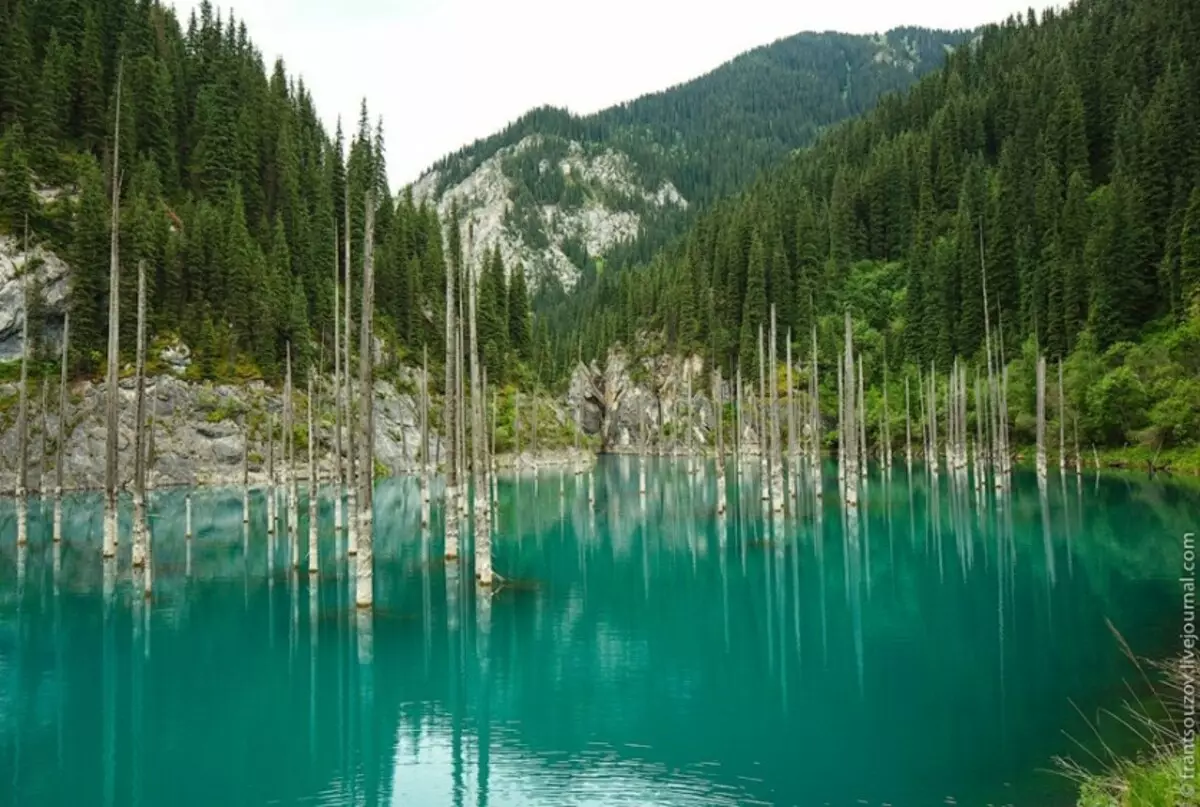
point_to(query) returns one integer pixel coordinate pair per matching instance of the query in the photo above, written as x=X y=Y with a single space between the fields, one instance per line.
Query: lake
x=941 y=647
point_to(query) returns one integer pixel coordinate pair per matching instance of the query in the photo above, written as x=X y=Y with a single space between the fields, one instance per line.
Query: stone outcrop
x=487 y=197
x=622 y=399
x=48 y=277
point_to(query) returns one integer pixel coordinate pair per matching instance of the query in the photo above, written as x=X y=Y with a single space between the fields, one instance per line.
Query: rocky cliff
x=201 y=432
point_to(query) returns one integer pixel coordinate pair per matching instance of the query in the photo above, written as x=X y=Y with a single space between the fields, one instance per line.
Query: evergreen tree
x=1189 y=252
x=754 y=308
x=519 y=331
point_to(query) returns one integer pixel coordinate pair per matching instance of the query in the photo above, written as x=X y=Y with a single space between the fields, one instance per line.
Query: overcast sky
x=445 y=72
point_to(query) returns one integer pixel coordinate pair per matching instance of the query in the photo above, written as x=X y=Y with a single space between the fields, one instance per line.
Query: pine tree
x=1189 y=252
x=16 y=195
x=519 y=331
x=754 y=307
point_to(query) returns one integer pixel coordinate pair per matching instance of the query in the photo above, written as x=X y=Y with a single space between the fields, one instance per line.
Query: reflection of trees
x=646 y=645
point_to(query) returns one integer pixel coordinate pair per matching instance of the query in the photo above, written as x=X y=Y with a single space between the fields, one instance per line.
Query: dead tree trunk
x=483 y=533
x=313 y=555
x=338 y=470
x=348 y=419
x=449 y=419
x=1041 y=416
x=289 y=459
x=719 y=428
x=364 y=596
x=114 y=356
x=60 y=444
x=140 y=535
x=849 y=410
x=22 y=490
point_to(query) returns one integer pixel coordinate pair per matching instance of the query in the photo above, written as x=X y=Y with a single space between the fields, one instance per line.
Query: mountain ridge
x=682 y=148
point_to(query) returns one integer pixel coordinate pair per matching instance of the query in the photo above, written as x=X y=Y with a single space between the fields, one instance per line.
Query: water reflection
x=640 y=649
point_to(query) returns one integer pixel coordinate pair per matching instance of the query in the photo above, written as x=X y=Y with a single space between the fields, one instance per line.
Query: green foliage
x=1039 y=157
x=232 y=193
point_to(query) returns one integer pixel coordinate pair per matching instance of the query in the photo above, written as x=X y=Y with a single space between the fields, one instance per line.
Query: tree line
x=235 y=196
x=1058 y=156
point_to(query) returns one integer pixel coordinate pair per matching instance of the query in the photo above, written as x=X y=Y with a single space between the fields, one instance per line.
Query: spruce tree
x=754 y=308
x=519 y=331
x=1189 y=253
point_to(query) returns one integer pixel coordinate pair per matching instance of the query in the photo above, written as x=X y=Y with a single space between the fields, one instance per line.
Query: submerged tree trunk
x=286 y=457
x=22 y=490
x=776 y=458
x=60 y=445
x=351 y=472
x=339 y=477
x=1041 y=416
x=815 y=407
x=114 y=312
x=313 y=556
x=483 y=536
x=449 y=419
x=719 y=428
x=424 y=454
x=364 y=596
x=140 y=536
x=849 y=410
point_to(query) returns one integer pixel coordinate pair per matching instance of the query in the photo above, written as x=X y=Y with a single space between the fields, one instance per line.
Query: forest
x=236 y=198
x=709 y=136
x=1057 y=156
x=1054 y=156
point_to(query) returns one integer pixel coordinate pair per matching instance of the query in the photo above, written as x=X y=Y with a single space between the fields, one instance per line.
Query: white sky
x=445 y=72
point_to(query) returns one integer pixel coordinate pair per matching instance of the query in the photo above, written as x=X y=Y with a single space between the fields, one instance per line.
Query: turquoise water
x=639 y=652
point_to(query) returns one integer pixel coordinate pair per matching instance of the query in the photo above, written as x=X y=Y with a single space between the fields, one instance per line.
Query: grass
x=1182 y=461
x=1158 y=776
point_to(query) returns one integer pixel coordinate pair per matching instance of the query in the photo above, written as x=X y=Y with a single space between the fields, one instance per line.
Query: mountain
x=567 y=195
x=1057 y=155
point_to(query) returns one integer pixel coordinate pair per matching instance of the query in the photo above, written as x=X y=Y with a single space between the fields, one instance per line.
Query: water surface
x=641 y=651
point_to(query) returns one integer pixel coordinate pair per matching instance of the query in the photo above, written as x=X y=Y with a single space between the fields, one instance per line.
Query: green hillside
x=1064 y=148
x=708 y=137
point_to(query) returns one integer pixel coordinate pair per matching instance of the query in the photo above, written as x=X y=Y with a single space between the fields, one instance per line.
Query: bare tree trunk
x=114 y=356
x=22 y=490
x=738 y=424
x=60 y=446
x=849 y=409
x=449 y=420
x=338 y=470
x=887 y=422
x=761 y=419
x=364 y=596
x=687 y=411
x=140 y=536
x=776 y=458
x=534 y=421
x=793 y=458
x=1041 y=416
x=862 y=426
x=815 y=406
x=271 y=474
x=348 y=420
x=1062 y=422
x=289 y=473
x=313 y=555
x=483 y=534
x=907 y=426
x=719 y=427
x=424 y=436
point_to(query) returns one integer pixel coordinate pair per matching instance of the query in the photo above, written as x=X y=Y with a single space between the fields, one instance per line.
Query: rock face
x=607 y=214
x=48 y=277
x=201 y=432
x=625 y=405
x=199 y=437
